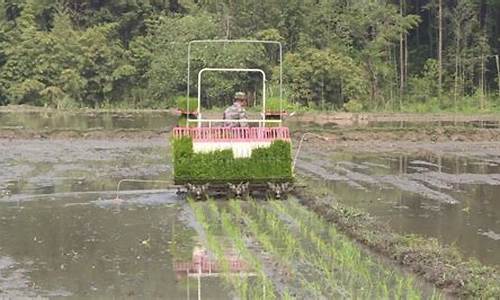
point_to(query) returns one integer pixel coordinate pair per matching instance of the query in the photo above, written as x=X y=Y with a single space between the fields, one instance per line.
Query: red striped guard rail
x=210 y=134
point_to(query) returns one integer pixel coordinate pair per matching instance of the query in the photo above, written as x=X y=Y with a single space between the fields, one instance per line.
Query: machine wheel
x=278 y=191
x=197 y=192
x=239 y=191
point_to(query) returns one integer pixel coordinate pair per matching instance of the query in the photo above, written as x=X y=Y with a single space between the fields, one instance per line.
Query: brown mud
x=412 y=134
x=96 y=134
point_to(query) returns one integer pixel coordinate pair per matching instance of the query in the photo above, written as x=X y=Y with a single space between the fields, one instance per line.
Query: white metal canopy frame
x=261 y=122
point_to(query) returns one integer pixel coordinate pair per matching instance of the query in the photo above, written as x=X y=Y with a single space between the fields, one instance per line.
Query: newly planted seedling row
x=320 y=274
x=286 y=253
x=215 y=245
x=284 y=256
x=262 y=287
x=344 y=265
x=356 y=268
x=320 y=261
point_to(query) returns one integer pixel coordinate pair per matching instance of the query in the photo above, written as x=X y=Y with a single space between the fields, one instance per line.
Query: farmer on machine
x=236 y=111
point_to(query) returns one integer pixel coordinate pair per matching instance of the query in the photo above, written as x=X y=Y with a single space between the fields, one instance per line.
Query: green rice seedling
x=360 y=270
x=274 y=105
x=182 y=104
x=436 y=295
x=265 y=164
x=282 y=238
x=235 y=235
x=239 y=284
x=271 y=247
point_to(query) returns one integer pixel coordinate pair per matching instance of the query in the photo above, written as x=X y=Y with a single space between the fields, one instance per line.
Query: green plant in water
x=263 y=287
x=270 y=246
x=355 y=270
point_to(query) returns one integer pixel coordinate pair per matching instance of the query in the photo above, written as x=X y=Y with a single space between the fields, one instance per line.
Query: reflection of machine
x=212 y=159
x=202 y=265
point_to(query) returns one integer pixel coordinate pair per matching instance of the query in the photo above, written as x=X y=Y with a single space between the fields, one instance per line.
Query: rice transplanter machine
x=210 y=158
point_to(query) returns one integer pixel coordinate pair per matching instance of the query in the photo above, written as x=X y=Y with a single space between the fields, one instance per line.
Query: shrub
x=353 y=106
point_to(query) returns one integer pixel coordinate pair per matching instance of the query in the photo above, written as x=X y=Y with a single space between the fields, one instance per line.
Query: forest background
x=352 y=55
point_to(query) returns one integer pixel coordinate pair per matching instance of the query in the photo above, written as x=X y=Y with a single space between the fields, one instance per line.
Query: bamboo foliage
x=343 y=55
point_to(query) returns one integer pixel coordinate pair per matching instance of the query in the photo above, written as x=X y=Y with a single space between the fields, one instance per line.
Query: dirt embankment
x=350 y=127
x=347 y=134
x=415 y=134
x=335 y=136
x=350 y=119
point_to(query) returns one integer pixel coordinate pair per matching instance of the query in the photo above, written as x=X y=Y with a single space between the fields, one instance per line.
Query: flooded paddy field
x=65 y=233
x=53 y=120
x=448 y=191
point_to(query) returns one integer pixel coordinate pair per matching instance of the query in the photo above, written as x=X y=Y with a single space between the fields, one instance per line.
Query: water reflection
x=85 y=121
x=449 y=197
x=203 y=264
x=90 y=249
x=203 y=267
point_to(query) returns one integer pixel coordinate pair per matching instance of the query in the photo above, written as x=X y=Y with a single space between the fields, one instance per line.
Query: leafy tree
x=324 y=76
x=93 y=53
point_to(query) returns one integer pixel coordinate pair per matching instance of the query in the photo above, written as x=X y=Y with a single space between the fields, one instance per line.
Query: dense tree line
x=342 y=54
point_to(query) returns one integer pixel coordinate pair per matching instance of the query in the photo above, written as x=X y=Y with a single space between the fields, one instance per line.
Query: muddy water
x=63 y=233
x=453 y=197
x=83 y=121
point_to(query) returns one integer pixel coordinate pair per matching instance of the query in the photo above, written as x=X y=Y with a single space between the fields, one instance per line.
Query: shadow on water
x=452 y=198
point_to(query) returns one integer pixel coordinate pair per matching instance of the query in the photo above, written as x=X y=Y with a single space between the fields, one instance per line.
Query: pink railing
x=209 y=266
x=232 y=134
